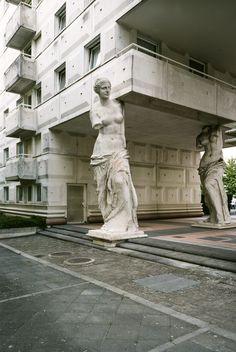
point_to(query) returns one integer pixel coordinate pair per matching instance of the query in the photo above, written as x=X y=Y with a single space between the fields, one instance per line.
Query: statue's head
x=99 y=83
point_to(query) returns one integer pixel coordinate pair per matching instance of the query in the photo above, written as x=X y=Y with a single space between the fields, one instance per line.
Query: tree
x=230 y=177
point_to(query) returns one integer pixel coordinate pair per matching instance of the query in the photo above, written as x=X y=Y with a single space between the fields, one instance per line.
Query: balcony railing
x=21 y=167
x=21 y=122
x=21 y=28
x=163 y=78
x=21 y=75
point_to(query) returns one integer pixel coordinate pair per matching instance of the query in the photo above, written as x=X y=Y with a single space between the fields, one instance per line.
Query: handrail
x=23 y=105
x=20 y=156
x=167 y=59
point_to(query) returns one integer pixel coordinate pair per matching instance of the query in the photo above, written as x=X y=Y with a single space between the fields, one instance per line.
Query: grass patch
x=7 y=222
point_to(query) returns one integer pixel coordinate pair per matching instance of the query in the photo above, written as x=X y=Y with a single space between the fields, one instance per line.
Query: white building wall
x=165 y=177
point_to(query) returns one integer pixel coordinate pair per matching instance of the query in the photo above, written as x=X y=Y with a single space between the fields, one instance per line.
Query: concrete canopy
x=205 y=28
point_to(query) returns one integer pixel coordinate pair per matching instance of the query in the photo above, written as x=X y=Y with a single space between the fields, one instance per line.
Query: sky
x=229 y=153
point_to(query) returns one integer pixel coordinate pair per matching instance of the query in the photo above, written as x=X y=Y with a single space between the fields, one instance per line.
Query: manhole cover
x=78 y=261
x=60 y=254
x=39 y=255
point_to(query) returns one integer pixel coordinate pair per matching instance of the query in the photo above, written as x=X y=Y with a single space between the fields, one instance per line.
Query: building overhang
x=203 y=29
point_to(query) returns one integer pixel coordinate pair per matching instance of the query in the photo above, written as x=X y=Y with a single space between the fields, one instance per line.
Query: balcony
x=21 y=122
x=171 y=85
x=21 y=28
x=22 y=167
x=21 y=75
x=14 y=2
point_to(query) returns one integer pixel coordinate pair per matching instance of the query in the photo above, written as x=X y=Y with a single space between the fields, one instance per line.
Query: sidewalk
x=45 y=306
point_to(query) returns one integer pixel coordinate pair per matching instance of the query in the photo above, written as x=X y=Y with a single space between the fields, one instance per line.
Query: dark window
x=197 y=65
x=148 y=44
x=38 y=193
x=6 y=194
x=61 y=18
x=29 y=193
x=94 y=55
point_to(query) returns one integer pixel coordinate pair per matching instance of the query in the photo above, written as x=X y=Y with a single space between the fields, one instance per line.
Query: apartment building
x=170 y=64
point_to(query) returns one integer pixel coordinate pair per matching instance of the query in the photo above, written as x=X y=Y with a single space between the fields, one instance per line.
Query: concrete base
x=17 y=232
x=209 y=225
x=110 y=239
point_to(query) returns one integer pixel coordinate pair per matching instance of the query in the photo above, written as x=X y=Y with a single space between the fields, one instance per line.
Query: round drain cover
x=78 y=261
x=59 y=254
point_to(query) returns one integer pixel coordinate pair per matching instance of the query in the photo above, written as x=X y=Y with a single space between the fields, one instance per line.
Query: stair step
x=71 y=228
x=181 y=256
x=68 y=233
x=205 y=251
x=76 y=239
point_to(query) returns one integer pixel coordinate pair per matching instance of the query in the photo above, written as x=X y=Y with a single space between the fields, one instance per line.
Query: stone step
x=71 y=238
x=68 y=232
x=198 y=249
x=149 y=253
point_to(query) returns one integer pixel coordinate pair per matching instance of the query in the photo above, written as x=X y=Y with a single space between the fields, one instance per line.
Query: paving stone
x=189 y=346
x=166 y=283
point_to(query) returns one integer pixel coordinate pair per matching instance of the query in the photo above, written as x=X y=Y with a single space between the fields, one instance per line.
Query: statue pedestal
x=110 y=239
x=210 y=225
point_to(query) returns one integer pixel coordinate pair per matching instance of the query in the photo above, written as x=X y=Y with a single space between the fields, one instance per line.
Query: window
x=148 y=44
x=29 y=193
x=37 y=44
x=28 y=50
x=20 y=149
x=197 y=65
x=94 y=55
x=61 y=77
x=37 y=144
x=19 y=194
x=5 y=114
x=28 y=101
x=5 y=155
x=6 y=194
x=61 y=19
x=38 y=193
x=38 y=94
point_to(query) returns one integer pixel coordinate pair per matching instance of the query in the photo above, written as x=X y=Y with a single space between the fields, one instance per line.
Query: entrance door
x=76 y=203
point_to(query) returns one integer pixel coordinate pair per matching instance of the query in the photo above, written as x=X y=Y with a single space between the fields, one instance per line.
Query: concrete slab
x=166 y=283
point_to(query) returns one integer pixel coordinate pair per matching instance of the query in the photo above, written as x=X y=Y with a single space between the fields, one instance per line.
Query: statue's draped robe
x=214 y=171
x=114 y=199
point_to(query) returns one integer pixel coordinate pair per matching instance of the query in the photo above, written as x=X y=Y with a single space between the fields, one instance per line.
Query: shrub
x=7 y=222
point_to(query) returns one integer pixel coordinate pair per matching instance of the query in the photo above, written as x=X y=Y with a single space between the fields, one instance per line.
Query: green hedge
x=7 y=222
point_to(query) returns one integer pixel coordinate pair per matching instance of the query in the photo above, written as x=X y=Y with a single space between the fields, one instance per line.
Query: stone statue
x=117 y=198
x=211 y=170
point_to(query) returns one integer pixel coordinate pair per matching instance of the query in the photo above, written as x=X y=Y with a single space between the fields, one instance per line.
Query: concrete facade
x=50 y=55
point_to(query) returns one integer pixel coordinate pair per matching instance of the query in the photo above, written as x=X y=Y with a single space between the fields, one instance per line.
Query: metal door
x=76 y=209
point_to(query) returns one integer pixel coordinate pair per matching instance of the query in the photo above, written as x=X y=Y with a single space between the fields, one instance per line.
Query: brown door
x=76 y=203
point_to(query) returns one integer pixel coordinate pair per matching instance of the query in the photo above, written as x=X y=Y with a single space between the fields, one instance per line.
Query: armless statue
x=211 y=171
x=117 y=198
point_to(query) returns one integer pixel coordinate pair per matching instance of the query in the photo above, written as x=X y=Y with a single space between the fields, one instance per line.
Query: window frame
x=6 y=194
x=29 y=199
x=37 y=89
x=5 y=155
x=60 y=19
x=91 y=49
x=38 y=192
x=19 y=194
x=58 y=72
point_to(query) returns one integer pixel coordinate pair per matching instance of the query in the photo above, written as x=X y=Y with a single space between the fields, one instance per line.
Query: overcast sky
x=229 y=153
